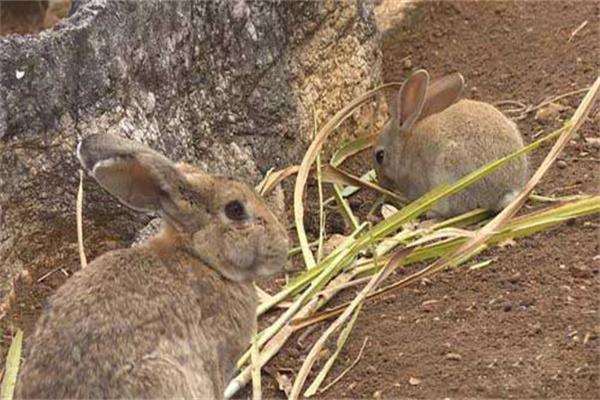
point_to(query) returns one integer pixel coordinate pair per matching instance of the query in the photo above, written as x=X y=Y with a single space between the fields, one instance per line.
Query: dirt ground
x=525 y=327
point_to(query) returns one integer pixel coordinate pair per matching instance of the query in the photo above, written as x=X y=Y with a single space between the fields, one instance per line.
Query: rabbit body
x=179 y=338
x=166 y=319
x=445 y=146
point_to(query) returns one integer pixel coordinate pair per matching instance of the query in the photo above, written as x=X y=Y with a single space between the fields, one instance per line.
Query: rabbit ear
x=135 y=174
x=411 y=99
x=442 y=94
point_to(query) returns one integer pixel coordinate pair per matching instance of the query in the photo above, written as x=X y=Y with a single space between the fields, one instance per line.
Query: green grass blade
x=351 y=148
x=344 y=207
x=13 y=360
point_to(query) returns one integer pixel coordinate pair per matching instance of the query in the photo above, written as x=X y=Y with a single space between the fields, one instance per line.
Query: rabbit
x=170 y=317
x=431 y=139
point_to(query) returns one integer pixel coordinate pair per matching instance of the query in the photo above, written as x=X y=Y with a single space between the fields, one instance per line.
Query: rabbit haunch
x=169 y=318
x=431 y=139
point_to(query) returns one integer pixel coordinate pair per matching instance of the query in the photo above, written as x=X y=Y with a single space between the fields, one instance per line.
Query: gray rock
x=226 y=85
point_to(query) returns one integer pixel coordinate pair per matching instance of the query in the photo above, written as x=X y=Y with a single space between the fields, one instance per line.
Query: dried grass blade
x=275 y=178
x=13 y=360
x=309 y=159
x=334 y=175
x=316 y=384
x=79 y=209
x=344 y=372
x=320 y=192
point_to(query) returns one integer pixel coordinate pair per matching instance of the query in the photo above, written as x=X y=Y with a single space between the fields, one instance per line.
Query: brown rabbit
x=169 y=318
x=430 y=140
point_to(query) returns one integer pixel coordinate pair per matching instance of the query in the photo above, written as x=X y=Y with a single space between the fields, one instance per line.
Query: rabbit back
x=445 y=147
x=139 y=325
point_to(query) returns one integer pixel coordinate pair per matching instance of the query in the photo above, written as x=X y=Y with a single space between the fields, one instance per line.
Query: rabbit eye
x=379 y=155
x=235 y=211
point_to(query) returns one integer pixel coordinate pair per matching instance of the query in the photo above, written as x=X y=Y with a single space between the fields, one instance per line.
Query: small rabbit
x=431 y=140
x=169 y=318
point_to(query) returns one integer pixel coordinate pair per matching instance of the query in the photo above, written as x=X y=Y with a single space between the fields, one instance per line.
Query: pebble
x=593 y=142
x=414 y=381
x=377 y=395
x=407 y=63
x=562 y=164
x=26 y=277
x=550 y=112
x=453 y=357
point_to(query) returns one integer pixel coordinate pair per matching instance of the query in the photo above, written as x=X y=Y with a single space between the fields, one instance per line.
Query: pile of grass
x=372 y=252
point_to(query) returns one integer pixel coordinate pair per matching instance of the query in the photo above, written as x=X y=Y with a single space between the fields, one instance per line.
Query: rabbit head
x=414 y=103
x=221 y=221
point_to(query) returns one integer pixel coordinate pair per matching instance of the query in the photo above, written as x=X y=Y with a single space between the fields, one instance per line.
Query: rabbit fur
x=430 y=140
x=169 y=318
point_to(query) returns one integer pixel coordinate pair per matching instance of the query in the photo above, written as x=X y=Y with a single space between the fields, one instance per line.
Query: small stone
x=453 y=357
x=407 y=64
x=150 y=103
x=562 y=164
x=26 y=277
x=514 y=278
x=550 y=112
x=388 y=210
x=581 y=271
x=377 y=395
x=593 y=142
x=414 y=381
x=19 y=74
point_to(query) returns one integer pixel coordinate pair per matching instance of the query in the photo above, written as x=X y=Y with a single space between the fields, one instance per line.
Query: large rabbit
x=431 y=140
x=169 y=318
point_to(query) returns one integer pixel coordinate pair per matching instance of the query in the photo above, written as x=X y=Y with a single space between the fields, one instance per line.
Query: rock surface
x=227 y=85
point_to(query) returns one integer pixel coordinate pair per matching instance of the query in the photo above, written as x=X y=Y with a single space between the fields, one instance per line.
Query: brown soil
x=526 y=326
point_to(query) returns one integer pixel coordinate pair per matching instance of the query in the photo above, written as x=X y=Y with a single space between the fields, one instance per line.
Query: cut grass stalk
x=481 y=265
x=13 y=360
x=255 y=370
